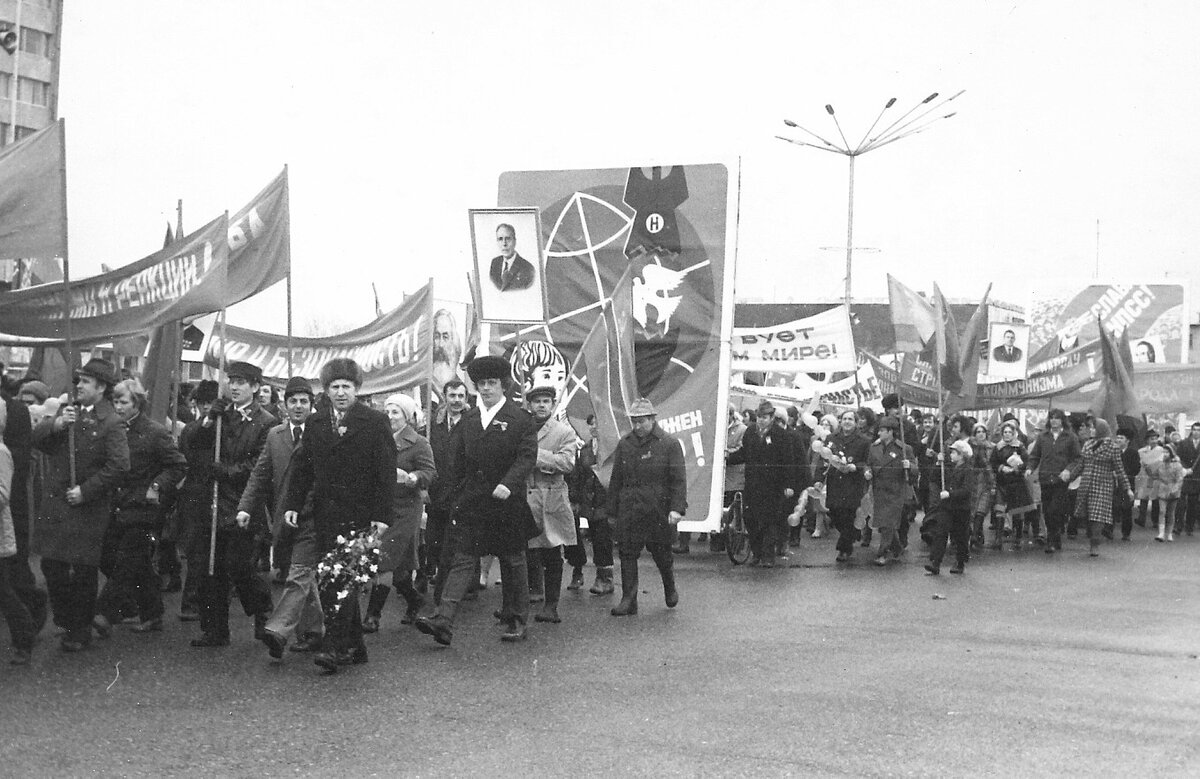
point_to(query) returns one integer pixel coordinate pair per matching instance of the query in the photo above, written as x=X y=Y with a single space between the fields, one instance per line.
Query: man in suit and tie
x=510 y=271
x=1008 y=351
x=494 y=452
x=299 y=608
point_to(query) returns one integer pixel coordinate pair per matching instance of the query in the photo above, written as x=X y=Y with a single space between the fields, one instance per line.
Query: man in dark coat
x=768 y=452
x=298 y=610
x=18 y=437
x=442 y=434
x=344 y=470
x=494 y=453
x=844 y=481
x=74 y=515
x=244 y=427
x=911 y=437
x=193 y=504
x=1057 y=457
x=647 y=497
x=1188 y=452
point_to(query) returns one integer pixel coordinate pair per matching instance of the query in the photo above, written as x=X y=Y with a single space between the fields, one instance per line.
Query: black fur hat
x=341 y=368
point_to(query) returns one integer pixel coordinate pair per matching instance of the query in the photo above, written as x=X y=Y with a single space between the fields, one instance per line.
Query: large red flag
x=949 y=358
x=1116 y=397
x=607 y=357
x=968 y=350
x=33 y=206
x=913 y=318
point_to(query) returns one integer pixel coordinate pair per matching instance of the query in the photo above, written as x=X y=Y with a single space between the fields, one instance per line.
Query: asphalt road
x=1031 y=665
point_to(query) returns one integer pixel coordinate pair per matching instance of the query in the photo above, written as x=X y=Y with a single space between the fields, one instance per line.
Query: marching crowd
x=254 y=481
x=975 y=487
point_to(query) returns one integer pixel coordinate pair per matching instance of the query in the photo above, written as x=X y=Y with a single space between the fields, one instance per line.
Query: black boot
x=379 y=596
x=537 y=577
x=412 y=599
x=552 y=565
x=629 y=589
x=667 y=571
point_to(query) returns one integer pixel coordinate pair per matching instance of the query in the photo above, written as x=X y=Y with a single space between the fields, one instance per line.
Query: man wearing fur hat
x=75 y=512
x=299 y=607
x=549 y=499
x=244 y=427
x=493 y=456
x=345 y=469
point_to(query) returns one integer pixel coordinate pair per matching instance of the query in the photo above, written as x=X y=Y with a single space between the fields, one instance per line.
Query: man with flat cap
x=244 y=428
x=345 y=470
x=298 y=610
x=647 y=497
x=549 y=499
x=77 y=507
x=493 y=456
x=772 y=476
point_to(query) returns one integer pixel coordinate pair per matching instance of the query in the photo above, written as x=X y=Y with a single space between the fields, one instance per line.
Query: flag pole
x=941 y=422
x=67 y=334
x=176 y=366
x=287 y=211
x=212 y=532
x=429 y=383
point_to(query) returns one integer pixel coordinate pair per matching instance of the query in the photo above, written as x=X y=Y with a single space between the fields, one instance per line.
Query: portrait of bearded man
x=447 y=349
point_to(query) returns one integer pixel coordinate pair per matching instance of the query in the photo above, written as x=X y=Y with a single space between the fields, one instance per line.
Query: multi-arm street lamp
x=897 y=130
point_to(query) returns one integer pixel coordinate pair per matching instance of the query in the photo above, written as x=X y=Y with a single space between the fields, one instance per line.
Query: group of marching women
x=332 y=491
x=978 y=487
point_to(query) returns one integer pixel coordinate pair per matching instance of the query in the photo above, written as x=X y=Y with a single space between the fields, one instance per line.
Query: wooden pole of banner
x=66 y=259
x=941 y=422
x=287 y=213
x=212 y=532
x=176 y=364
x=429 y=375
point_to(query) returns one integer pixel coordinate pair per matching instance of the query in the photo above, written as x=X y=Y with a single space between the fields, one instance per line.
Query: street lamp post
x=897 y=130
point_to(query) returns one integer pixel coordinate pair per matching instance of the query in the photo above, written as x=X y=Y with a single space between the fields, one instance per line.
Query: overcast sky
x=395 y=118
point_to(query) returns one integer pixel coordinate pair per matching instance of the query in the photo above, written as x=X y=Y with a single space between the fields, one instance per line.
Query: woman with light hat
x=415 y=471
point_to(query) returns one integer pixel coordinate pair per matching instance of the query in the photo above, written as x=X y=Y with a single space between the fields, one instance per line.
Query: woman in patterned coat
x=1102 y=473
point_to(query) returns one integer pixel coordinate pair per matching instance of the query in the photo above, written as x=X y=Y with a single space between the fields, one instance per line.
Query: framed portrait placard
x=507 y=247
x=1008 y=350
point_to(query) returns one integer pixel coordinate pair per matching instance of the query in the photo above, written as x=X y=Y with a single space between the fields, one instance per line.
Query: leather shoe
x=549 y=613
x=275 y=644
x=576 y=580
x=328 y=661
x=149 y=626
x=309 y=643
x=209 y=639
x=932 y=570
x=672 y=598
x=102 y=625
x=436 y=626
x=514 y=632
x=958 y=568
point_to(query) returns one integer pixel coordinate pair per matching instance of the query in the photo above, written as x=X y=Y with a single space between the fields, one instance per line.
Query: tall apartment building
x=29 y=76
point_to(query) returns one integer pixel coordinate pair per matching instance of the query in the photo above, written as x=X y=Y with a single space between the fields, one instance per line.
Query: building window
x=35 y=42
x=23 y=132
x=31 y=91
x=5 y=128
x=6 y=86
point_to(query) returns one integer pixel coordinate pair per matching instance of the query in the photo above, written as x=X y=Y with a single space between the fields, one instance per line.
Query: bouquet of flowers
x=354 y=562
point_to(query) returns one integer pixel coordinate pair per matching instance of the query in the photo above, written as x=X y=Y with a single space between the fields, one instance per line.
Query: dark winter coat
x=505 y=453
x=584 y=486
x=442 y=440
x=649 y=480
x=346 y=473
x=1014 y=490
x=242 y=441
x=153 y=459
x=1189 y=456
x=75 y=534
x=771 y=468
x=845 y=490
x=1050 y=457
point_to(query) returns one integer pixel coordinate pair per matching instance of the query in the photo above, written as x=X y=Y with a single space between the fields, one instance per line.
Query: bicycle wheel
x=737 y=538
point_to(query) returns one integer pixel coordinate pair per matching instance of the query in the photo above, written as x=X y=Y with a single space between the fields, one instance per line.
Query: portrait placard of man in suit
x=1009 y=353
x=509 y=282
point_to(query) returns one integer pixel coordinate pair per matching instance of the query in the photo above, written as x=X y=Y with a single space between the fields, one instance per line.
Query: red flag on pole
x=913 y=318
x=946 y=337
x=32 y=197
x=1116 y=398
x=607 y=357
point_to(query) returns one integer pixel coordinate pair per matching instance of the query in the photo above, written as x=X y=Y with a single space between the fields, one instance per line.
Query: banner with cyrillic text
x=817 y=344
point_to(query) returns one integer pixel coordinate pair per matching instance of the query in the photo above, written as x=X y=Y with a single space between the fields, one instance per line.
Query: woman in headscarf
x=1102 y=474
x=415 y=471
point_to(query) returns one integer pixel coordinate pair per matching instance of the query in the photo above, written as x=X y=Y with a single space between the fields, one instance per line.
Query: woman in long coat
x=844 y=483
x=890 y=469
x=1009 y=460
x=415 y=471
x=1102 y=473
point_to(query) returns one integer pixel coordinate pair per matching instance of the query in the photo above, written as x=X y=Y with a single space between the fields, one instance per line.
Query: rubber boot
x=552 y=564
x=629 y=589
x=670 y=594
x=412 y=599
x=604 y=581
x=537 y=575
